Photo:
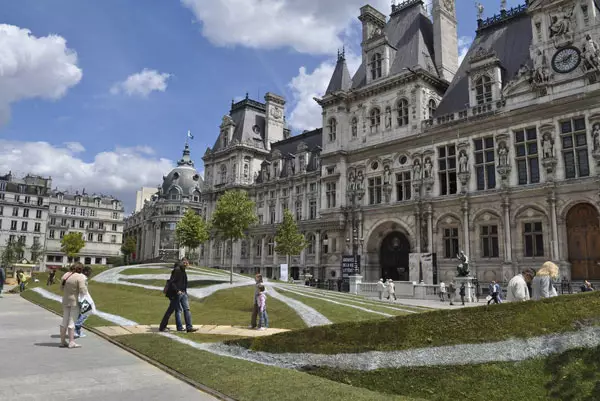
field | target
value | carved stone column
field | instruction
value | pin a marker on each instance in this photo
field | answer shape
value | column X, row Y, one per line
column 262, row 251
column 466, row 228
column 250, row 251
column 554, row 224
column 507, row 230
column 429, row 216
column 418, row 229
column 318, row 251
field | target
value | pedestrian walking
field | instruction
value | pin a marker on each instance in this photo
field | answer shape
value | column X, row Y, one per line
column 462, row 293
column 494, row 290
column 263, row 322
column 391, row 289
column 21, row 280
column 452, row 292
column 73, row 287
column 258, row 281
column 51, row 277
column 87, row 306
column 542, row 285
column 517, row 290
column 176, row 291
column 442, row 291
column 380, row 288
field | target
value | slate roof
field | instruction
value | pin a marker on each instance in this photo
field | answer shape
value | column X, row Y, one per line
column 510, row 39
column 340, row 80
column 410, row 31
column 34, row 185
column 246, row 114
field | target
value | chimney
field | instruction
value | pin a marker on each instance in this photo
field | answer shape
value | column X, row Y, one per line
column 445, row 38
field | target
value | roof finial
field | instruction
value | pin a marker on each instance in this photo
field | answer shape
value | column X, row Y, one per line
column 502, row 5
column 246, row 95
column 479, row 7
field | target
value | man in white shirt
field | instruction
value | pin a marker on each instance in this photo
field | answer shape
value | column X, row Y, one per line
column 442, row 291
column 517, row 290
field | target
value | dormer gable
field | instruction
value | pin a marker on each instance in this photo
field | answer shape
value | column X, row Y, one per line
column 485, row 77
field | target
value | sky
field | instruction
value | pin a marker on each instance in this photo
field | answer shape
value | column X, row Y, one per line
column 101, row 94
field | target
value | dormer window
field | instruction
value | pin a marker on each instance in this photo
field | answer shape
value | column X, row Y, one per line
column 376, row 66
column 375, row 119
column 354, row 127
column 276, row 170
column 483, row 89
column 402, row 112
column 432, row 106
column 174, row 194
column 332, row 128
column 78, row 200
column 97, row 202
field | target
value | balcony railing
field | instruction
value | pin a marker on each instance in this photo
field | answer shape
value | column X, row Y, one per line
column 467, row 114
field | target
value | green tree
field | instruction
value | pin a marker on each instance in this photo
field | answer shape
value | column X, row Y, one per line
column 36, row 252
column 289, row 241
column 191, row 231
column 11, row 253
column 128, row 248
column 232, row 217
column 72, row 243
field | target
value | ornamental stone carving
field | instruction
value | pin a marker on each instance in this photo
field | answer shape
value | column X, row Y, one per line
column 596, row 141
column 541, row 70
column 591, row 54
column 549, row 160
column 417, row 170
column 503, row 163
column 561, row 22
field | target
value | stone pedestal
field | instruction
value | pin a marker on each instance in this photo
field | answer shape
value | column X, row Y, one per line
column 469, row 288
column 355, row 283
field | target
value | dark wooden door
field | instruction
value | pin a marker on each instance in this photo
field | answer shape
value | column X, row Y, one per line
column 393, row 257
column 583, row 233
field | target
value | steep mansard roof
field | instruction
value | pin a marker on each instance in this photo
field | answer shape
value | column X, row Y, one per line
column 509, row 38
column 340, row 80
column 249, row 118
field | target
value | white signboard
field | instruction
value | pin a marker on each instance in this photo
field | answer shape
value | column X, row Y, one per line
column 414, row 260
column 283, row 272
column 427, row 267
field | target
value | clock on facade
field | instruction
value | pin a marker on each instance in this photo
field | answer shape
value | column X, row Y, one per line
column 566, row 60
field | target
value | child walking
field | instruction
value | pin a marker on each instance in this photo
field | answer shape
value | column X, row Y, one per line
column 263, row 322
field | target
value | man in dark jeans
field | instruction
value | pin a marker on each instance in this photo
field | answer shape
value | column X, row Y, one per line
column 177, row 294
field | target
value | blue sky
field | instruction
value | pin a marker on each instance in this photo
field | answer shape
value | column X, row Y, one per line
column 208, row 52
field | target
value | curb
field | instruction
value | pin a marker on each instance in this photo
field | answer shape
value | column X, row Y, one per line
column 155, row 363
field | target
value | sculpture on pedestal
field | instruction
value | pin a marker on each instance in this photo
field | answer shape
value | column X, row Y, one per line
column 463, row 267
column 596, row 136
column 591, row 53
column 428, row 167
column 417, row 170
column 561, row 23
column 387, row 175
column 547, row 147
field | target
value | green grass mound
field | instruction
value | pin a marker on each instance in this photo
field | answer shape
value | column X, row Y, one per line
column 444, row 327
column 161, row 283
column 572, row 376
column 146, row 270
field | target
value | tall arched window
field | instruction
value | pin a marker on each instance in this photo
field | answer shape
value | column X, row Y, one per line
column 483, row 89
column 332, row 129
column 310, row 249
column 174, row 194
column 270, row 246
column 354, row 127
column 432, row 106
column 376, row 66
column 223, row 174
column 375, row 119
column 402, row 112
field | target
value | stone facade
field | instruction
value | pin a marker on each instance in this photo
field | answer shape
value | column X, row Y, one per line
column 419, row 156
column 98, row 218
column 24, row 212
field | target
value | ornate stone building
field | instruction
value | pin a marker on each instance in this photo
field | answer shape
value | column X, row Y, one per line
column 153, row 227
column 420, row 157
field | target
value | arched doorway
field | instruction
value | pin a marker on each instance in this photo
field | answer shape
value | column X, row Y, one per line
column 583, row 233
column 393, row 256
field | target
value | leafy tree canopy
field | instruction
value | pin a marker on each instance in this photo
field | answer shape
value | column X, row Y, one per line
column 191, row 230
column 36, row 252
column 72, row 243
column 233, row 215
column 128, row 246
column 11, row 252
column 288, row 239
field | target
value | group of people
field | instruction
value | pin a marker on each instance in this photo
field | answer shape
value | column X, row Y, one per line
column 77, row 304
column 387, row 287
column 541, row 282
column 450, row 291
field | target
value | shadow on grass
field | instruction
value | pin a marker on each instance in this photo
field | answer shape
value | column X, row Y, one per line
column 574, row 375
column 203, row 283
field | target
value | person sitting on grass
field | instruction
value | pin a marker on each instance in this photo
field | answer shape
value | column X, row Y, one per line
column 263, row 322
column 87, row 306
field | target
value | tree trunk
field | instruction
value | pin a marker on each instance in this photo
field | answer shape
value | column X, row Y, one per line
column 231, row 264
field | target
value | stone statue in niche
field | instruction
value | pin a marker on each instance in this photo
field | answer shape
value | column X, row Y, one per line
column 387, row 175
column 449, row 5
column 591, row 53
column 427, row 168
column 541, row 70
column 246, row 171
column 596, row 136
column 388, row 118
column 463, row 162
column 560, row 24
column 256, row 176
column 317, row 162
column 503, row 154
column 351, row 182
column 360, row 180
column 354, row 127
column 547, row 146
column 417, row 170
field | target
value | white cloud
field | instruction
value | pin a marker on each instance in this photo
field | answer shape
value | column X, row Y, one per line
column 308, row 26
column 464, row 43
column 32, row 67
column 119, row 172
column 306, row 113
column 142, row 83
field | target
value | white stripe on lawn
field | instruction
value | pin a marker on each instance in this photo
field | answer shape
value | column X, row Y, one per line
column 340, row 303
column 309, row 315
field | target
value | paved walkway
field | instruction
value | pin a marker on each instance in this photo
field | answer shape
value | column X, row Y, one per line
column 33, row 367
column 432, row 303
column 202, row 329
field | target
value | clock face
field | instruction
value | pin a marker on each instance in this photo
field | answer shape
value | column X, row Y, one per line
column 566, row 60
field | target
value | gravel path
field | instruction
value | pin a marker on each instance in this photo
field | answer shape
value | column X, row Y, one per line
column 309, row 315
column 118, row 320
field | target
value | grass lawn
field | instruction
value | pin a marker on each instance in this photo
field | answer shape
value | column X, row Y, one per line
column 442, row 327
column 206, row 338
column 335, row 313
column 573, row 376
column 246, row 381
column 146, row 270
column 92, row 321
column 226, row 307
column 161, row 283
